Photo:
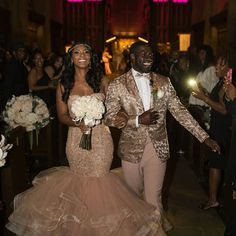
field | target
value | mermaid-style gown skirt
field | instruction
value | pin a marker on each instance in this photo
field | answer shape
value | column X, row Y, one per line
column 84, row 199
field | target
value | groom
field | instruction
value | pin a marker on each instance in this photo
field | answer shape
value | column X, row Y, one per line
column 137, row 103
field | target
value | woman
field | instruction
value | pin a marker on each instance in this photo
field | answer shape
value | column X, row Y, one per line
column 219, row 130
column 207, row 79
column 55, row 68
column 84, row 199
column 106, row 58
column 38, row 81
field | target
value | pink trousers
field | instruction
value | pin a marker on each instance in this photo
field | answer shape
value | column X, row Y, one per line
column 147, row 176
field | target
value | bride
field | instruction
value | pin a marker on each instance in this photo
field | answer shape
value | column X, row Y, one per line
column 85, row 198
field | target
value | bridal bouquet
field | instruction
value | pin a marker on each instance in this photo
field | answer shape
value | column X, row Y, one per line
column 3, row 150
column 27, row 111
column 90, row 110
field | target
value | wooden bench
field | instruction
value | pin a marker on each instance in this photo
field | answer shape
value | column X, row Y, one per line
column 14, row 173
column 45, row 149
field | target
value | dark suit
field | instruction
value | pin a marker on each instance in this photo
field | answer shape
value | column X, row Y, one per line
column 15, row 80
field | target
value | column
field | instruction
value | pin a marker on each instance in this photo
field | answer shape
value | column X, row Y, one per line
column 19, row 19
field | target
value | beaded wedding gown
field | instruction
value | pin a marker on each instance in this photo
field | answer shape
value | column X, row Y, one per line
column 84, row 199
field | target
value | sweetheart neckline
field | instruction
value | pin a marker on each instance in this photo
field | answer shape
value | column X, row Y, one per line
column 85, row 95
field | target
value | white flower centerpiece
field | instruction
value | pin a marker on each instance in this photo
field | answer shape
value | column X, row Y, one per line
column 28, row 111
column 90, row 110
column 4, row 147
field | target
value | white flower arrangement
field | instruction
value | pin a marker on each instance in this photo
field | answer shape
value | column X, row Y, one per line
column 90, row 110
column 3, row 150
column 27, row 111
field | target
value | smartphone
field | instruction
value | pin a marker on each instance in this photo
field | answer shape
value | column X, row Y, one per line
column 229, row 75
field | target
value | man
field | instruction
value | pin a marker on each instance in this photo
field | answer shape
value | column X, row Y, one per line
column 137, row 103
column 15, row 79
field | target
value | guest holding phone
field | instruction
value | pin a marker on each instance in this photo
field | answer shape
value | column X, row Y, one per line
column 219, row 130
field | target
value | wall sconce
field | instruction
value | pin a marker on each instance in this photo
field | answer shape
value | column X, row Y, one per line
column 142, row 39
column 111, row 39
column 184, row 42
column 67, row 48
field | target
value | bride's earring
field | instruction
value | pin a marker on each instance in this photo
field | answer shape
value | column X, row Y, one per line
column 71, row 63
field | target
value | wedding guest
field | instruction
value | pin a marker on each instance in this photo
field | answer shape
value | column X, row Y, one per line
column 194, row 62
column 15, row 76
column 55, row 67
column 137, row 103
column 219, row 129
column 207, row 79
column 39, row 82
column 106, row 59
column 179, row 80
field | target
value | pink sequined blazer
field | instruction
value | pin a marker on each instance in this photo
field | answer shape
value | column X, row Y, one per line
column 123, row 96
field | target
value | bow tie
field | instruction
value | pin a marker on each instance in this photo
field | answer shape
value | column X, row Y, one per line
column 142, row 75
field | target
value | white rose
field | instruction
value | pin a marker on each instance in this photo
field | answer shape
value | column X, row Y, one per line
column 160, row 93
column 2, row 162
column 32, row 118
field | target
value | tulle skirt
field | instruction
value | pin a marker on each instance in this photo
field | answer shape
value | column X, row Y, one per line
column 62, row 203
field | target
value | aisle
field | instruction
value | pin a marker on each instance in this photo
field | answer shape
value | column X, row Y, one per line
column 184, row 196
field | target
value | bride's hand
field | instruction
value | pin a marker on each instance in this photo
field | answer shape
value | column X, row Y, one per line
column 84, row 128
column 121, row 119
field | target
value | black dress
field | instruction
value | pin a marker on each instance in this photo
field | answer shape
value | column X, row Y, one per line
column 46, row 94
column 219, row 131
column 231, row 170
column 231, row 175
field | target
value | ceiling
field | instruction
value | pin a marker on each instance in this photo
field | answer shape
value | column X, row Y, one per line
column 127, row 17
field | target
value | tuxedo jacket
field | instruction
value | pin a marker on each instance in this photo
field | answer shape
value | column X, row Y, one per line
column 123, row 96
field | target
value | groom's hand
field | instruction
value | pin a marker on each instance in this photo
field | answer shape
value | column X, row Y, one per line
column 149, row 117
column 213, row 145
column 84, row 128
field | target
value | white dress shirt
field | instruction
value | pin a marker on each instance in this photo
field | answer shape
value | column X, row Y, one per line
column 143, row 85
column 208, row 80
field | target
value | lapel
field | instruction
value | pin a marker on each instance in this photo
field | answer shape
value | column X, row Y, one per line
column 133, row 89
column 152, row 97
